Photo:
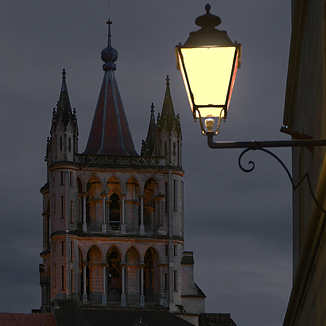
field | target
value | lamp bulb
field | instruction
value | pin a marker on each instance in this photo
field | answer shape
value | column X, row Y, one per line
column 209, row 124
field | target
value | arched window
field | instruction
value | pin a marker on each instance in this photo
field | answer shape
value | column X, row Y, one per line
column 114, row 212
column 114, row 276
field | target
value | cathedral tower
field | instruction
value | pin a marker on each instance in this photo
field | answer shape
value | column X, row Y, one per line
column 113, row 220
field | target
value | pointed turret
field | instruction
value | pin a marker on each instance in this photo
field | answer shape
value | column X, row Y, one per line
column 168, row 132
column 110, row 133
column 149, row 144
column 168, row 116
column 63, row 144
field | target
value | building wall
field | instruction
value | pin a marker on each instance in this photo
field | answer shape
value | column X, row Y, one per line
column 305, row 114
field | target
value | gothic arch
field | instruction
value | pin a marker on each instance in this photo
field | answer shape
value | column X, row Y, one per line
column 129, row 248
column 90, row 246
column 114, row 247
column 82, row 181
column 94, row 175
column 129, row 190
column 157, row 251
column 83, row 253
column 114, row 185
column 156, row 181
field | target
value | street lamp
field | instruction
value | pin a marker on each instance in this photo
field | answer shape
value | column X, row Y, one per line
column 208, row 62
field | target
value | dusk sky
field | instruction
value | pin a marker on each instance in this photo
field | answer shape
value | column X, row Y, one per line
column 238, row 225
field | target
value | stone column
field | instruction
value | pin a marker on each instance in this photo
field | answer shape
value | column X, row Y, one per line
column 142, row 227
column 161, row 287
column 153, row 214
column 123, row 294
column 108, row 215
column 104, row 300
column 123, row 225
column 103, row 195
column 142, row 297
column 161, row 211
column 84, row 194
column 84, row 284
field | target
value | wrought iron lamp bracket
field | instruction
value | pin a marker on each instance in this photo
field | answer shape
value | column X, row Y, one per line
column 260, row 145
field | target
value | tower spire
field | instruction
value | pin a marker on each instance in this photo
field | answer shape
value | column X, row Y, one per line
column 63, row 111
column 168, row 135
column 149, row 144
column 110, row 133
column 168, row 115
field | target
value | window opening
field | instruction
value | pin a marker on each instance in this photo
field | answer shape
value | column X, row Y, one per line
column 175, row 280
column 174, row 195
column 166, row 197
column 62, row 278
column 165, row 281
column 114, row 212
column 114, row 277
column 62, row 206
column 54, row 205
column 72, row 212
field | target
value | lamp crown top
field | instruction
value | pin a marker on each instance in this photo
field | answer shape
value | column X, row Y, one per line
column 208, row 20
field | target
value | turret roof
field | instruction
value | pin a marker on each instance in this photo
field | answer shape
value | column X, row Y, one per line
column 168, row 116
column 110, row 133
column 149, row 143
column 63, row 111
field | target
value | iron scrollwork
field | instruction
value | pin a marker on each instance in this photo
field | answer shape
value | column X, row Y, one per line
column 294, row 186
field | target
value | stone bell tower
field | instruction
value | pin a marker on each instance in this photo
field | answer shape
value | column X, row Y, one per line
column 113, row 221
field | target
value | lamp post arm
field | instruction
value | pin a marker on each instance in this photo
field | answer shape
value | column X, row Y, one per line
column 261, row 144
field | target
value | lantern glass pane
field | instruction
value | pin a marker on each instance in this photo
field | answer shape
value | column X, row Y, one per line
column 209, row 71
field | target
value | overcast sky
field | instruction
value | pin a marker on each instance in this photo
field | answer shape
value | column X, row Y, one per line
column 237, row 224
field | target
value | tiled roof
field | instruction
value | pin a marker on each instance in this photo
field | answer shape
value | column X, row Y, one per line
column 13, row 319
column 110, row 133
column 69, row 313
